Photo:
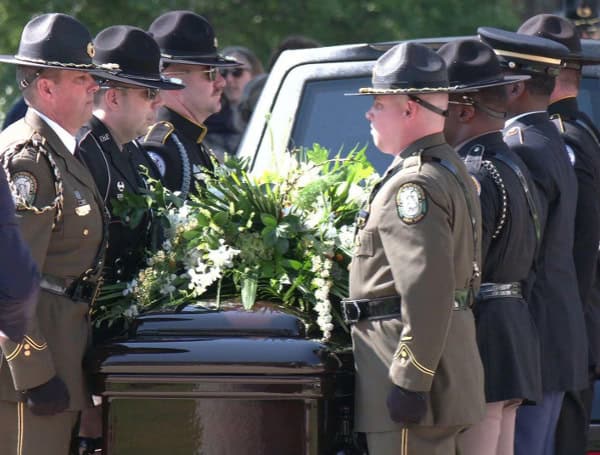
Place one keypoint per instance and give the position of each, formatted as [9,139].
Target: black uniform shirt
[175,145]
[116,172]
[582,136]
[554,297]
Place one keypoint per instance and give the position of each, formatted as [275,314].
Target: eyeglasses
[236,72]
[212,73]
[149,93]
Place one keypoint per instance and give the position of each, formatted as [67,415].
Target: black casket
[224,382]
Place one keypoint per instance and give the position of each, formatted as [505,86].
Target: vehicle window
[328,117]
[588,98]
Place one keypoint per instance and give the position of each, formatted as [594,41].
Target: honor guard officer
[42,384]
[125,106]
[419,378]
[189,53]
[506,333]
[584,15]
[583,144]
[19,276]
[553,297]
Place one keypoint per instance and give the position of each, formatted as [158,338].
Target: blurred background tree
[261,24]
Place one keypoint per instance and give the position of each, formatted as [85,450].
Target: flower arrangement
[285,236]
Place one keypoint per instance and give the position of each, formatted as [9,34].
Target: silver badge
[121,186]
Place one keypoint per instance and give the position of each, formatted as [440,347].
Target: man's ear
[466,113]
[516,90]
[111,98]
[45,87]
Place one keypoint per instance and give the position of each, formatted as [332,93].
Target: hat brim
[162,84]
[14,60]
[582,59]
[506,80]
[217,60]
[401,91]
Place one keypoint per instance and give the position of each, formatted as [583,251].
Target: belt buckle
[349,319]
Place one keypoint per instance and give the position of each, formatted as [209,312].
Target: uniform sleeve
[30,361]
[19,276]
[419,251]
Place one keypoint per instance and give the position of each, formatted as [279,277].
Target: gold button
[26,346]
[86,232]
[27,353]
[403,354]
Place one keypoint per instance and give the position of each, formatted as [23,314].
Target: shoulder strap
[532,208]
[159,132]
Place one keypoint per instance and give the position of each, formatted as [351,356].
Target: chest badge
[411,203]
[121,186]
[83,208]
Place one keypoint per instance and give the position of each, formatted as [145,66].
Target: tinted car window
[327,117]
[588,98]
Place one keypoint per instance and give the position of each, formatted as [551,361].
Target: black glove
[47,399]
[406,406]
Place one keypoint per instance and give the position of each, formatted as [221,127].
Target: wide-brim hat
[54,41]
[524,53]
[408,68]
[186,37]
[473,65]
[131,56]
[562,31]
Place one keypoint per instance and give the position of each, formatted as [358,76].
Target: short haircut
[540,84]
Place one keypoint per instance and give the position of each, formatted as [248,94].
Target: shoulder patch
[26,187]
[159,132]
[411,203]
[159,162]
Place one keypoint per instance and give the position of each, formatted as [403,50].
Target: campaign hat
[473,65]
[562,31]
[187,37]
[522,53]
[54,40]
[132,56]
[408,68]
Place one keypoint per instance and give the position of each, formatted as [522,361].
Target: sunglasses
[212,73]
[236,72]
[149,93]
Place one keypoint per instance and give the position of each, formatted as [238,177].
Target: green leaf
[249,286]
[268,220]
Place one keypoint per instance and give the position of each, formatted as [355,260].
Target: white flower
[223,256]
[131,312]
[131,287]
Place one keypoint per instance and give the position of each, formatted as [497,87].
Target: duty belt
[354,310]
[489,291]
[78,290]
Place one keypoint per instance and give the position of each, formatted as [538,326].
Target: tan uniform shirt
[418,243]
[59,335]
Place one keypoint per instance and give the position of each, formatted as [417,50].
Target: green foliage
[285,236]
[260,25]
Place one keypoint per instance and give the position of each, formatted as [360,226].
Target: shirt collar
[66,138]
[511,120]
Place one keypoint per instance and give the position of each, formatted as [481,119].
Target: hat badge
[584,11]
[91,50]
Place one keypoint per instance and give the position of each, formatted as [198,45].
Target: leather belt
[489,291]
[354,310]
[78,290]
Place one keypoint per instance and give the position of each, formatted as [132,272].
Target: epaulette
[515,130]
[159,132]
[558,123]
